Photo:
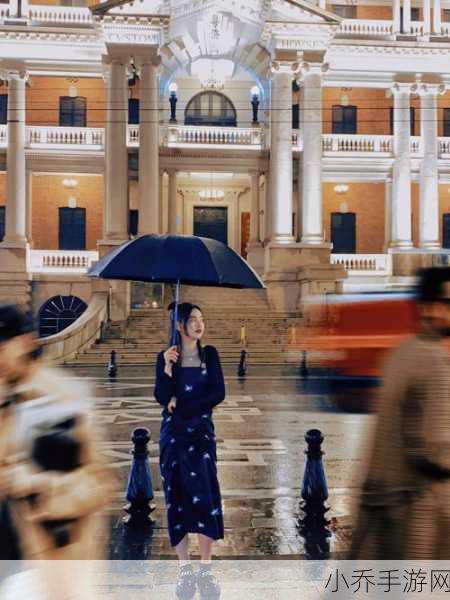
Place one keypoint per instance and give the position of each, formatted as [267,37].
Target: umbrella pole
[173,337]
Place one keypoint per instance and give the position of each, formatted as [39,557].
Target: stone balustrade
[87,137]
[366,264]
[191,135]
[366,27]
[347,143]
[53,261]
[61,15]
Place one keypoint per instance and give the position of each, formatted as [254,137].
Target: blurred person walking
[189,384]
[52,481]
[405,504]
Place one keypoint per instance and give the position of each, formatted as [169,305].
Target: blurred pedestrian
[189,384]
[52,480]
[405,504]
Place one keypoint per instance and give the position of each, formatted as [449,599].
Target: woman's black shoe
[186,583]
[208,585]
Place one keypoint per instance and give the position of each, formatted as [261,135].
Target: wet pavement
[260,439]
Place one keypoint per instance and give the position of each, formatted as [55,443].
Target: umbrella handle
[174,333]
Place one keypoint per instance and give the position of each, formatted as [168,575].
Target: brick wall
[48,195]
[42,99]
[367,201]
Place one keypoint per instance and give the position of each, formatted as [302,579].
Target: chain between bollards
[139,491]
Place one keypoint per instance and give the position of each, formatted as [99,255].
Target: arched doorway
[58,313]
[210,108]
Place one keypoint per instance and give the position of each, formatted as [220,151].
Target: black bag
[10,548]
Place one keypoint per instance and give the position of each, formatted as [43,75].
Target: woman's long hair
[184,312]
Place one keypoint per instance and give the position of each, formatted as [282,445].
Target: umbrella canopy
[183,259]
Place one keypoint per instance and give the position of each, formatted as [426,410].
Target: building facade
[312,138]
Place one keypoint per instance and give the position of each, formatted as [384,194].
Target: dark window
[344,119]
[3,108]
[295,116]
[343,233]
[210,108]
[2,222]
[72,111]
[58,313]
[133,221]
[72,228]
[133,111]
[211,222]
[447,122]
[446,231]
[412,121]
[446,15]
[345,11]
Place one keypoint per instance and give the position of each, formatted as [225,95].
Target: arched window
[58,313]
[210,108]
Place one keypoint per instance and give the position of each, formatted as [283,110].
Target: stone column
[254,209]
[401,187]
[116,155]
[426,16]
[16,204]
[162,203]
[396,15]
[437,24]
[281,151]
[429,186]
[312,219]
[174,217]
[149,185]
[406,16]
[387,212]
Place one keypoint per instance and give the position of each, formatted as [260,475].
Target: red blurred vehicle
[350,335]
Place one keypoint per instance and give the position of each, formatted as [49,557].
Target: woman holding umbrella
[189,384]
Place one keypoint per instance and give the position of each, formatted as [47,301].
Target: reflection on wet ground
[260,432]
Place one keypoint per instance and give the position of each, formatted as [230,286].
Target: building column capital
[151,58]
[314,68]
[13,70]
[278,67]
[430,89]
[404,87]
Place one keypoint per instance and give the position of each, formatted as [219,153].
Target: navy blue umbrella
[177,259]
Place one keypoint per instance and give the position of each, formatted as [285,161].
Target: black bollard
[304,365]
[314,526]
[242,368]
[112,365]
[139,487]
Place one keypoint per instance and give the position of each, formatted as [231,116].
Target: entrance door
[72,228]
[343,233]
[211,222]
[446,231]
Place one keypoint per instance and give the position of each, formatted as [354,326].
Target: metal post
[139,487]
[313,527]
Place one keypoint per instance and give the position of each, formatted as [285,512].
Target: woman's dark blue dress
[188,447]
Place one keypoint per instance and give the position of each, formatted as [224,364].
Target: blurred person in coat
[52,480]
[405,504]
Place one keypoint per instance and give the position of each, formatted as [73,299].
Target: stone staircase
[145,333]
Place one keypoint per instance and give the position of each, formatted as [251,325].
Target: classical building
[312,138]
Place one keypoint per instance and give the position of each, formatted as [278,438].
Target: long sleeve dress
[188,460]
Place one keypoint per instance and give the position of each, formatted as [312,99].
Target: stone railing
[366,27]
[61,15]
[367,264]
[86,137]
[357,143]
[83,333]
[61,261]
[3,136]
[444,145]
[192,135]
[416,28]
[4,11]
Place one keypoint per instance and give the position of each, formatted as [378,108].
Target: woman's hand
[170,357]
[172,405]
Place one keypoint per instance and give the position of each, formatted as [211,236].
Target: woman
[189,384]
